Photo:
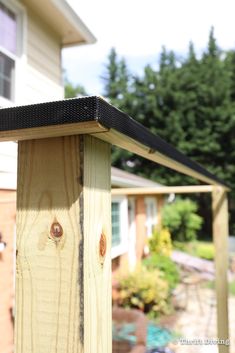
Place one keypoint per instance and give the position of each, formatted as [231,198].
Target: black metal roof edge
[113,118]
[49,113]
[92,108]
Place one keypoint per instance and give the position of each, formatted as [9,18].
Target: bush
[179,245]
[168,268]
[232,288]
[144,290]
[160,242]
[205,251]
[181,219]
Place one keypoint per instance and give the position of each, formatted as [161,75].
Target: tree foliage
[72,91]
[182,220]
[189,102]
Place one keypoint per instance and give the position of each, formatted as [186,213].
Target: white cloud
[139,28]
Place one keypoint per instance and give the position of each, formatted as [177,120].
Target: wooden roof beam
[191,189]
[93,115]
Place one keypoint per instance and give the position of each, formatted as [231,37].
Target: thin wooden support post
[220,236]
[63,285]
[160,204]
[141,235]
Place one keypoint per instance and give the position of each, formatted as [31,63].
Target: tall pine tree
[190,103]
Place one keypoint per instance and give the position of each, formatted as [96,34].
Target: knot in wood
[56,230]
[103,245]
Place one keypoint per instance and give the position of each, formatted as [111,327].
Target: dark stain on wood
[103,245]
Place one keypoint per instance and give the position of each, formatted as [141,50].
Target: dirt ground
[196,322]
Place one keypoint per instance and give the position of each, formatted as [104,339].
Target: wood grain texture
[141,232]
[97,270]
[50,285]
[129,144]
[161,190]
[160,203]
[220,237]
[52,131]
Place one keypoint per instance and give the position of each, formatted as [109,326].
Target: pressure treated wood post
[63,293]
[140,227]
[160,204]
[220,235]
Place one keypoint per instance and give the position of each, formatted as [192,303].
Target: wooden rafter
[93,115]
[161,190]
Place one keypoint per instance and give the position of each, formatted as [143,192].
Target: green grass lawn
[202,249]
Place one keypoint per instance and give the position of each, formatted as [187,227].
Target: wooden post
[160,204]
[140,227]
[220,235]
[63,293]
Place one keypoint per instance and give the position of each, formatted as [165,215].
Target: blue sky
[139,28]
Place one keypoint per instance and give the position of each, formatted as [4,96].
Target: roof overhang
[123,179]
[93,115]
[64,20]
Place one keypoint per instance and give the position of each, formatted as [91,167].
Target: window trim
[20,56]
[151,222]
[132,240]
[121,248]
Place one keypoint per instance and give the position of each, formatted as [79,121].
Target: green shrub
[145,290]
[179,245]
[181,219]
[205,251]
[160,242]
[232,288]
[167,267]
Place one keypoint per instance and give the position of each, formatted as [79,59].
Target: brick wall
[7,229]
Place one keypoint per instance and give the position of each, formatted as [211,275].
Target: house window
[116,227]
[11,35]
[8,29]
[151,215]
[8,26]
[119,225]
[7,67]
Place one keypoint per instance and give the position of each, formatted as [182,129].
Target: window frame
[19,57]
[151,222]
[121,248]
[132,257]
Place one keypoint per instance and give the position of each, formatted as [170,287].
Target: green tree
[116,78]
[117,83]
[72,91]
[182,220]
[188,102]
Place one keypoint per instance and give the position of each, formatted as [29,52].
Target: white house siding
[39,88]
[39,79]
[43,81]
